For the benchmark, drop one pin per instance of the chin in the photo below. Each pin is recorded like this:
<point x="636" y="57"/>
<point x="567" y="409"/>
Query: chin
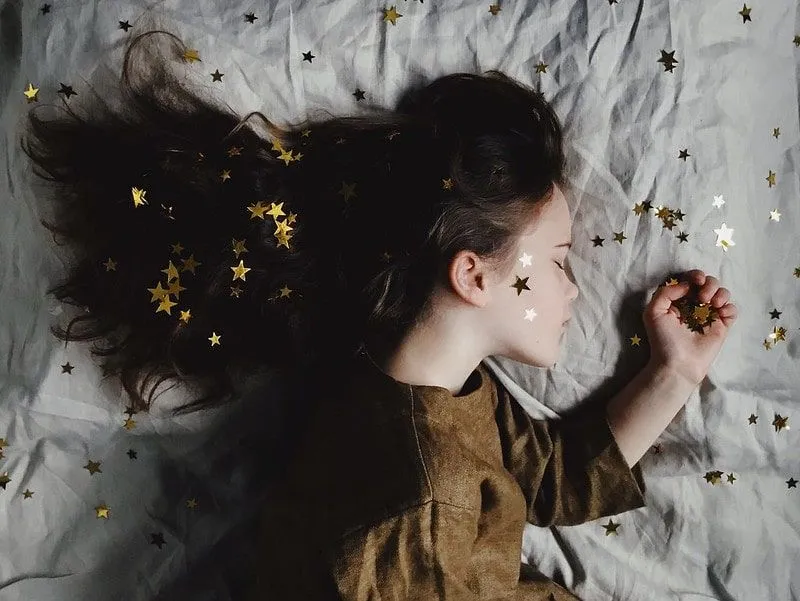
<point x="537" y="360"/>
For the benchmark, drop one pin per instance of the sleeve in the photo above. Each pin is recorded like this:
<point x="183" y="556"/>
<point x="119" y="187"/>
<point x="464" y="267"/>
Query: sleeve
<point x="422" y="554"/>
<point x="571" y="470"/>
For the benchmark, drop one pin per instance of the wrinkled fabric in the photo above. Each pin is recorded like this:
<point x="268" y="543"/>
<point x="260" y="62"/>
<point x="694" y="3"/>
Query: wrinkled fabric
<point x="410" y="492"/>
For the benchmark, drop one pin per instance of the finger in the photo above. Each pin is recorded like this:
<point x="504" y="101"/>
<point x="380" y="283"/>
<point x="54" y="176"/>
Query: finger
<point x="709" y="289"/>
<point x="728" y="314"/>
<point x="696" y="276"/>
<point x="664" y="295"/>
<point x="720" y="297"/>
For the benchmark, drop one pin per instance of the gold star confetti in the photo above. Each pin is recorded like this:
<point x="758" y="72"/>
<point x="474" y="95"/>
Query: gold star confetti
<point x="4" y="479"/>
<point x="770" y="178"/>
<point x="171" y="271"/>
<point x="619" y="237"/>
<point x="129" y="424"/>
<point x="186" y="316"/>
<point x="731" y="478"/>
<point x="138" y="196"/>
<point x="28" y="493"/>
<point x="110" y="265"/>
<point x="192" y="503"/>
<point x="752" y="419"/>
<point x="694" y="314"/>
<point x="102" y="511"/>
<point x="93" y="467"/>
<point x="611" y="527"/>
<point x="158" y="293"/>
<point x="67" y="368"/>
<point x="347" y="190"/>
<point x="225" y="175"/>
<point x="791" y="483"/>
<point x="31" y="93"/>
<point x="776" y="132"/>
<point x="285" y="291"/>
<point x="713" y="477"/>
<point x="240" y="271"/>
<point x="520" y="284"/>
<point x="745" y="12"/>
<point x="3" y="444"/>
<point x="190" y="265"/>
<point x="778" y="333"/>
<point x="391" y="15"/>
<point x="668" y="60"/>
<point x="724" y="237"/>
<point x="257" y="210"/>
<point x="166" y="305"/>
<point x="541" y="67"/>
<point x="780" y="422"/>
<point x="175" y="288"/>
<point x="447" y="184"/>
<point x="191" y="55"/>
<point x="684" y="154"/>
<point x="215" y="339"/>
<point x="635" y="340"/>
<point x="217" y="76"/>
<point x="238" y="247"/>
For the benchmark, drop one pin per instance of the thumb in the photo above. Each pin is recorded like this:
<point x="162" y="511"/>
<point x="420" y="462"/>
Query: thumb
<point x="663" y="297"/>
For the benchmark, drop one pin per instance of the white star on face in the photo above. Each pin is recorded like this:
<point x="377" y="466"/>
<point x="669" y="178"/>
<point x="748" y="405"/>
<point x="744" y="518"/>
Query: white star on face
<point x="774" y="215"/>
<point x="724" y="235"/>
<point x="530" y="314"/>
<point x="526" y="259"/>
<point x="718" y="201"/>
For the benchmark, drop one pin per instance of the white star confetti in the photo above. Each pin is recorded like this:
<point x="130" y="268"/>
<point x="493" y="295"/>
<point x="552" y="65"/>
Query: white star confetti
<point x="526" y="259"/>
<point x="530" y="314"/>
<point x="774" y="215"/>
<point x="718" y="201"/>
<point x="724" y="235"/>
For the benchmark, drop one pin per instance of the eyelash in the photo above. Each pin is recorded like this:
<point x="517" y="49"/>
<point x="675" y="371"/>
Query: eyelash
<point x="560" y="266"/>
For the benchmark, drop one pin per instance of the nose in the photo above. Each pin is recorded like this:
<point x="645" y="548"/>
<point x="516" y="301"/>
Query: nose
<point x="573" y="291"/>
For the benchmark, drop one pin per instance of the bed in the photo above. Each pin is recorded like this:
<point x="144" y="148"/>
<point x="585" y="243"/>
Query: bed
<point x="681" y="121"/>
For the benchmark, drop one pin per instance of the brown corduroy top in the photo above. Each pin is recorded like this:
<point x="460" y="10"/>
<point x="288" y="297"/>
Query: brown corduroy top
<point x="408" y="492"/>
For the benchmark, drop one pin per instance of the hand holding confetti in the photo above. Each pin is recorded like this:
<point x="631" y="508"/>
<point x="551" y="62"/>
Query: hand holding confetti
<point x="687" y="323"/>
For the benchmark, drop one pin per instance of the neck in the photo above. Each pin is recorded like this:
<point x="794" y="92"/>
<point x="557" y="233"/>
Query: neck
<point x="429" y="356"/>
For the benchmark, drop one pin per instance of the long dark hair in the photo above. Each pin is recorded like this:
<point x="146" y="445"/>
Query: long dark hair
<point x="204" y="251"/>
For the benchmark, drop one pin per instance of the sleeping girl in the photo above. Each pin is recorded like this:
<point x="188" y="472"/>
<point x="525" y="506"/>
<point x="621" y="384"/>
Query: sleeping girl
<point x="376" y="260"/>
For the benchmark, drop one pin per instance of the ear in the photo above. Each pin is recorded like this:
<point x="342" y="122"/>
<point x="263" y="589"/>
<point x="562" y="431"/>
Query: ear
<point x="469" y="278"/>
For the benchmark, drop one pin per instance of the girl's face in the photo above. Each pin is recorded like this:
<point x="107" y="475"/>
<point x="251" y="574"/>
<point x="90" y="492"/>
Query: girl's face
<point x="530" y="304"/>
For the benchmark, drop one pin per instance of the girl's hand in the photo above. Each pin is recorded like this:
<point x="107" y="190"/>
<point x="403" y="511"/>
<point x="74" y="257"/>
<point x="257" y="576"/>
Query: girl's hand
<point x="672" y="344"/>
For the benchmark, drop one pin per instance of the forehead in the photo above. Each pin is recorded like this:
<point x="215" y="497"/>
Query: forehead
<point x="550" y="222"/>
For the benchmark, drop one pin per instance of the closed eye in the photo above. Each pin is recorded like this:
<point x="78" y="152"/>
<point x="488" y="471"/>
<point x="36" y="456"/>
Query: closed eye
<point x="560" y="265"/>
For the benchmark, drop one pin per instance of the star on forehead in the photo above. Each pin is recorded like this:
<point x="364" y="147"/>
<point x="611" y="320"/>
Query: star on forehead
<point x="526" y="259"/>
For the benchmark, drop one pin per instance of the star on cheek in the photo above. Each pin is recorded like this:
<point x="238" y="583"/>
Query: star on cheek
<point x="521" y="284"/>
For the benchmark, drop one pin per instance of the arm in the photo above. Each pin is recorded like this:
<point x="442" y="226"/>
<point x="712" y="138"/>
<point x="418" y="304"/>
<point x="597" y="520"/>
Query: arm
<point x="641" y="411"/>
